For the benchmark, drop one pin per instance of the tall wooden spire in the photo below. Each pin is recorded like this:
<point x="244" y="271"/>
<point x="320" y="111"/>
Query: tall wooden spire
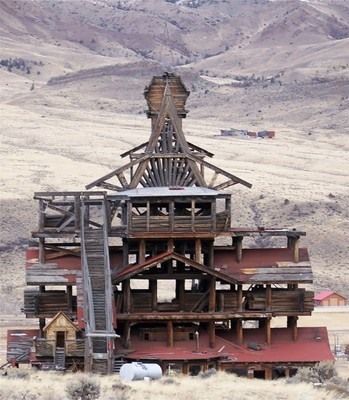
<point x="167" y="159"/>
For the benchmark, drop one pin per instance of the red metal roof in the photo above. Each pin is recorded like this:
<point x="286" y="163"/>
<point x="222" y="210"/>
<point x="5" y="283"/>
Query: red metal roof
<point x="311" y="346"/>
<point x="262" y="265"/>
<point x="69" y="261"/>
<point x="326" y="293"/>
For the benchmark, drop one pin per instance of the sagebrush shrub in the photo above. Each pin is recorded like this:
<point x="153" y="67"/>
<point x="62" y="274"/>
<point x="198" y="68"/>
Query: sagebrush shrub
<point x="83" y="388"/>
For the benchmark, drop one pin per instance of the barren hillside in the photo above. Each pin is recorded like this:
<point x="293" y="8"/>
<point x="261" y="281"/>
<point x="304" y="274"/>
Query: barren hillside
<point x="72" y="75"/>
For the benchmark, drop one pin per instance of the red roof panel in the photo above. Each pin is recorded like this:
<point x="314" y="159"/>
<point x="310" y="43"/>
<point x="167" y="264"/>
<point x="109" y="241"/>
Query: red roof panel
<point x="311" y="346"/>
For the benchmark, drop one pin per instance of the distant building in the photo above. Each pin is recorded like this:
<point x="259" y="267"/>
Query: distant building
<point x="329" y="298"/>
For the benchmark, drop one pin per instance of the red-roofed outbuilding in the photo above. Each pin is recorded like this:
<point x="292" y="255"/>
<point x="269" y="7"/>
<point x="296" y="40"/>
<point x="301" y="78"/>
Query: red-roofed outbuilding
<point x="329" y="298"/>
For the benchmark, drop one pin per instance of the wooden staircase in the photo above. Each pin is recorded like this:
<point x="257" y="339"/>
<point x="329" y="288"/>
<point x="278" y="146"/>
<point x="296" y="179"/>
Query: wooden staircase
<point x="60" y="358"/>
<point x="118" y="363"/>
<point x="98" y="295"/>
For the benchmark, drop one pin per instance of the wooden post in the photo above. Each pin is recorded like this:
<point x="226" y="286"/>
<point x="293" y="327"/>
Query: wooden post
<point x="237" y="244"/>
<point x="268" y="330"/>
<point x="42" y="321"/>
<point x="148" y="216"/>
<point x="268" y="298"/>
<point x="153" y="285"/>
<point x="211" y="254"/>
<point x="198" y="250"/>
<point x="268" y="373"/>
<point x="171" y="215"/>
<point x="212" y="295"/>
<point x="292" y="323"/>
<point x="193" y="215"/>
<point x="228" y="210"/>
<point x="212" y="334"/>
<point x="239" y="300"/>
<point x="141" y="251"/>
<point x="42" y="251"/>
<point x="127" y="335"/>
<point x="214" y="215"/>
<point x="293" y="244"/>
<point x="169" y="333"/>
<point x="70" y="299"/>
<point x="127" y="295"/>
<point x="170" y="245"/>
<point x="125" y="252"/>
<point x="129" y="216"/>
<point x="239" y="331"/>
<point x="180" y="289"/>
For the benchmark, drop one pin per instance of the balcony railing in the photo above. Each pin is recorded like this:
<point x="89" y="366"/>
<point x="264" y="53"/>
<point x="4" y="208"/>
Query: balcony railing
<point x="47" y="348"/>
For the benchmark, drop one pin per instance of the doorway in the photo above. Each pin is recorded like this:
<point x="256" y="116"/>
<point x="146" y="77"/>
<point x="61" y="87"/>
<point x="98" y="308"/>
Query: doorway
<point x="60" y="339"/>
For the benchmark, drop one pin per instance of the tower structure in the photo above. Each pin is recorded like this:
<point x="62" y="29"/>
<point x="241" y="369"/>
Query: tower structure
<point x="167" y="291"/>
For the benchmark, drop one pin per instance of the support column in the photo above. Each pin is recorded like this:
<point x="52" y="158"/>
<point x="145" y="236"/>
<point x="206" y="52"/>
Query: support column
<point x="198" y="250"/>
<point x="211" y="254"/>
<point x="70" y="299"/>
<point x="169" y="333"/>
<point x="212" y="296"/>
<point x="141" y="251"/>
<point x="268" y="373"/>
<point x="268" y="298"/>
<point x="127" y="334"/>
<point x="153" y="286"/>
<point x="239" y="299"/>
<point x="239" y="331"/>
<point x="292" y="323"/>
<point x="268" y="330"/>
<point x="180" y="293"/>
<point x="42" y="321"/>
<point x="171" y="215"/>
<point x="170" y="245"/>
<point x="127" y="295"/>
<point x="237" y="244"/>
<point x="211" y="334"/>
<point x="293" y="244"/>
<point x="125" y="252"/>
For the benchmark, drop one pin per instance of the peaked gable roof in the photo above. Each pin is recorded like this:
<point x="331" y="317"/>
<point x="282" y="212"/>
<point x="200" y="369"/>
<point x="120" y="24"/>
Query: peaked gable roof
<point x="56" y="317"/>
<point x="325" y="294"/>
<point x="133" y="269"/>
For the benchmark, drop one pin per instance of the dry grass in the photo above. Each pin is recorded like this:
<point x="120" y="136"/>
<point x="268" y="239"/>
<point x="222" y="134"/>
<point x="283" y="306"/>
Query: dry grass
<point x="52" y="386"/>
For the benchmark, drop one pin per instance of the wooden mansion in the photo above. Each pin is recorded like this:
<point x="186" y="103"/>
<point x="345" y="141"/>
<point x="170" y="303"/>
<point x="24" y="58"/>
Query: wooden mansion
<point x="134" y="271"/>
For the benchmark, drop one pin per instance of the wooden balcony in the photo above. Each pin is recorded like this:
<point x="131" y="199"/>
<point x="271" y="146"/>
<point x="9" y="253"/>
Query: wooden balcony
<point x="47" y="348"/>
<point x="283" y="302"/>
<point x="180" y="224"/>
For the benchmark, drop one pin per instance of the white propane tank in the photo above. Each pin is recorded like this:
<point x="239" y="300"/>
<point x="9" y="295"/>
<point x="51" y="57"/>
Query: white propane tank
<point x="137" y="371"/>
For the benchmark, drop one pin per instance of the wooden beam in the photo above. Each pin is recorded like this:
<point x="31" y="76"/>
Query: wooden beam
<point x="268" y="373"/>
<point x="239" y="299"/>
<point x="268" y="298"/>
<point x="180" y="289"/>
<point x="127" y="335"/>
<point x="198" y="250"/>
<point x="237" y="243"/>
<point x="268" y="330"/>
<point x="171" y="215"/>
<point x="141" y="251"/>
<point x="70" y="298"/>
<point x="170" y="334"/>
<point x="153" y="286"/>
<point x="127" y="295"/>
<point x="239" y="331"/>
<point x="212" y="295"/>
<point x="212" y="334"/>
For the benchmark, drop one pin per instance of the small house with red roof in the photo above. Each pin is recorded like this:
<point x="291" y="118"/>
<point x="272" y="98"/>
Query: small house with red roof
<point x="329" y="298"/>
